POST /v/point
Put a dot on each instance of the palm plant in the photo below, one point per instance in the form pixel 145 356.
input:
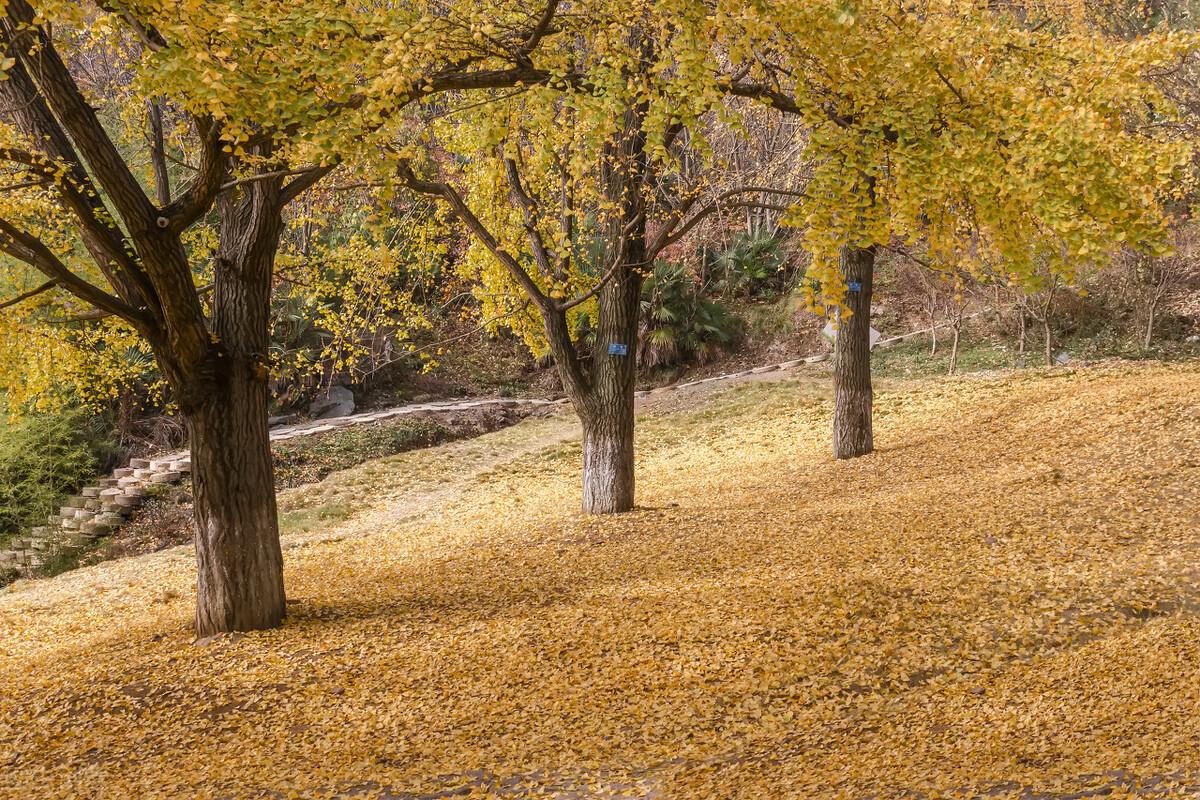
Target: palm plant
pixel 678 323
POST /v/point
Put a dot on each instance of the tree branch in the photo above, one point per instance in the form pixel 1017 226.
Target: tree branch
pixel 211 172
pixel 29 249
pixel 304 181
pixel 672 232
pixel 476 226
pixel 529 211
pixel 539 31
pixel 77 117
pixel 45 287
pixel 158 151
pixel 60 163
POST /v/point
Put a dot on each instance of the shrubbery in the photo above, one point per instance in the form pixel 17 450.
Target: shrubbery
pixel 43 459
pixel 678 322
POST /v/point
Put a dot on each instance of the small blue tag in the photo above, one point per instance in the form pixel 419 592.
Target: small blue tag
pixel 854 286
pixel 618 350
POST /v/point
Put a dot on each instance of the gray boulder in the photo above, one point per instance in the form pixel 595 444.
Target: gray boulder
pixel 337 402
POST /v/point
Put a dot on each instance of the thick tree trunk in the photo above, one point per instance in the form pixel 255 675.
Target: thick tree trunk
pixel 853 396
pixel 608 475
pixel 607 413
pixel 239 564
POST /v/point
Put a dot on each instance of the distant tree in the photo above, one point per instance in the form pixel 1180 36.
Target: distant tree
pixel 1004 137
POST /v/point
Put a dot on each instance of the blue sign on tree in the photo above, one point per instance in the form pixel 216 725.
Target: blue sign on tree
pixel 854 286
pixel 618 349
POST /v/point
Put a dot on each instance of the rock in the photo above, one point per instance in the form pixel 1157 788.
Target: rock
pixel 1193 339
pixel 337 402
pixel 1062 358
pixel 285 419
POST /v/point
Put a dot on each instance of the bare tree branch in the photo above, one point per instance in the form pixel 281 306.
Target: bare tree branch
pixel 29 249
pixel 45 287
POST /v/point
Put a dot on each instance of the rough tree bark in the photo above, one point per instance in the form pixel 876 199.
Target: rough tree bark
pixel 853 396
pixel 607 411
pixel 239 562
pixel 239 565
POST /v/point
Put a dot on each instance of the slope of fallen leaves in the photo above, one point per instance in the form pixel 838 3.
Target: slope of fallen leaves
pixel 1001 602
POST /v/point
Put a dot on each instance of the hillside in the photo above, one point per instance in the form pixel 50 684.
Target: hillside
pixel 1004 596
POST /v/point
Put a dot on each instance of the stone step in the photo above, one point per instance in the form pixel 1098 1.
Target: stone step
pixel 68 512
pixel 70 524
pixel 116 520
pixel 128 501
pixel 128 481
pixel 93 504
pixel 77 539
pixel 83 515
pixel 108 483
pixel 184 466
pixel 143 473
pixel 78 501
pixel 113 492
pixel 93 528
pixel 90 491
pixel 123 472
pixel 139 463
pixel 136 491
pixel 167 477
pixel 40 531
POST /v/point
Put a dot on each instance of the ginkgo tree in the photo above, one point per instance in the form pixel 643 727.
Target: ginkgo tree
pixel 1000 139
pixel 572 189
pixel 76 209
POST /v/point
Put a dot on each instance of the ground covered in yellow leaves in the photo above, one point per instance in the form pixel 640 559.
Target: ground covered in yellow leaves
pixel 1001 602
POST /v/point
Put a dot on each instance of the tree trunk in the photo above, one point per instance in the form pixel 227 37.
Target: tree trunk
pixel 607 414
pixel 954 347
pixel 853 396
pixel 1049 342
pixel 239 564
pixel 1148 339
pixel 933 340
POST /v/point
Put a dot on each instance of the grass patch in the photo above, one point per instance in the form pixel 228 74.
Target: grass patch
pixel 309 459
pixel 305 520
pixel 911 359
